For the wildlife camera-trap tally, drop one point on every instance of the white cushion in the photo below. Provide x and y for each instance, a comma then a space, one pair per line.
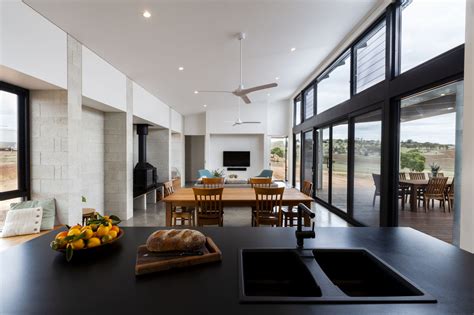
23, 221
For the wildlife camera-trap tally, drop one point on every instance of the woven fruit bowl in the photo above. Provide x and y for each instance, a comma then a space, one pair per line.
97, 234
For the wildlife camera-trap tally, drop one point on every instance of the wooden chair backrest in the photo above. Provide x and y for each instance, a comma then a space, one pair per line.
268, 200
261, 182
208, 200
376, 178
402, 176
307, 188
216, 182
451, 189
436, 186
440, 175
169, 189
417, 176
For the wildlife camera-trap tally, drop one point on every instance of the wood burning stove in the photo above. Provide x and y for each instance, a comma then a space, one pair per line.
145, 177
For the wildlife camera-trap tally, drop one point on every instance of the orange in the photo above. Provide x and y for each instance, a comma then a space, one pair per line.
74, 231
115, 228
93, 242
106, 238
113, 234
79, 244
102, 230
61, 235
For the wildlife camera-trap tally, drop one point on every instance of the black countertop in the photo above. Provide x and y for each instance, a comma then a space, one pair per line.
36, 280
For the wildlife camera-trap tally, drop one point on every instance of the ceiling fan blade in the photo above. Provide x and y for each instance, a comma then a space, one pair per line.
235, 124
258, 88
210, 91
251, 122
245, 98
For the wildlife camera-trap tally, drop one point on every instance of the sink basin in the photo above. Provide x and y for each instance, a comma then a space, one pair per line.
358, 273
352, 275
274, 273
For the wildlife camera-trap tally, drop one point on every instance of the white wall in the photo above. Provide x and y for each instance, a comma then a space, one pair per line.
31, 44
176, 121
278, 119
467, 185
219, 119
177, 154
253, 143
102, 82
150, 108
92, 164
195, 125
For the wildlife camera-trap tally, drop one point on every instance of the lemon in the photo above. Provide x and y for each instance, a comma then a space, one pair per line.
102, 230
106, 238
73, 231
113, 233
61, 235
79, 244
77, 226
88, 233
93, 242
86, 227
115, 228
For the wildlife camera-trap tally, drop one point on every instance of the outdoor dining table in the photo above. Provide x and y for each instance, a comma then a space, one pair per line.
235, 197
414, 185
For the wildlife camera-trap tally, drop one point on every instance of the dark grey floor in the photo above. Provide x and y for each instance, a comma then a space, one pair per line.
155, 216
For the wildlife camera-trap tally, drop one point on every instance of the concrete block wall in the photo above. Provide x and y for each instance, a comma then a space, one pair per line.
158, 147
92, 158
177, 154
49, 149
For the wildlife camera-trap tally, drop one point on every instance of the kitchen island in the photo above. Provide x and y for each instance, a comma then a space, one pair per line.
36, 280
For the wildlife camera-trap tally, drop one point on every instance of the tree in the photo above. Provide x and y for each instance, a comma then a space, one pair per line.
413, 160
277, 151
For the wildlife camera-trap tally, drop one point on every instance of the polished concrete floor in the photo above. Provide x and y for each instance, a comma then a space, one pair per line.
155, 216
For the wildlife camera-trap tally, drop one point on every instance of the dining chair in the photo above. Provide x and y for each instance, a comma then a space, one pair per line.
183, 214
290, 214
215, 182
376, 178
268, 206
403, 189
450, 196
421, 190
209, 210
417, 176
435, 191
260, 182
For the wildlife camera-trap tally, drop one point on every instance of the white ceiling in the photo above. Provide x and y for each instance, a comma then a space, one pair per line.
199, 35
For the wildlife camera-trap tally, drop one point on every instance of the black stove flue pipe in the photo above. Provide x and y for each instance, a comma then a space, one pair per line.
142, 131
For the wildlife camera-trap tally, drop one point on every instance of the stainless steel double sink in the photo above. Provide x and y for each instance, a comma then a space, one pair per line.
352, 275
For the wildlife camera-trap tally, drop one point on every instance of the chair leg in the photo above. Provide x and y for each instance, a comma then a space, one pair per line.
373, 201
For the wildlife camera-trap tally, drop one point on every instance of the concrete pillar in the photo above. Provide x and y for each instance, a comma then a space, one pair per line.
118, 160
74, 120
464, 207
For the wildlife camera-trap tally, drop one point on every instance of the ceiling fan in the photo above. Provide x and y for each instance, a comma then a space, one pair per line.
239, 121
240, 91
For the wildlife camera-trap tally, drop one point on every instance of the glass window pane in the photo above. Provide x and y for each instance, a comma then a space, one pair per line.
339, 165
322, 178
297, 172
278, 157
334, 86
428, 148
297, 112
8, 141
308, 156
309, 103
367, 158
429, 28
370, 59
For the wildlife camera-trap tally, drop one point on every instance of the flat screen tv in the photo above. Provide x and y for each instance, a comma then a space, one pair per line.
236, 158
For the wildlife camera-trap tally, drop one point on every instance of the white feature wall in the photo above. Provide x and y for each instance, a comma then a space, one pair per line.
102, 82
253, 143
31, 44
219, 119
150, 108
92, 158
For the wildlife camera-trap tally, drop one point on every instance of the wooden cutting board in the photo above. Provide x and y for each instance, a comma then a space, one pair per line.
147, 263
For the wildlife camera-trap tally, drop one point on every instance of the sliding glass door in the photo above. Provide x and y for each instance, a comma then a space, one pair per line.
308, 155
323, 164
297, 172
340, 133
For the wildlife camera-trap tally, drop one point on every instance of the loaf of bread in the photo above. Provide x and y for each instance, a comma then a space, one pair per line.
175, 240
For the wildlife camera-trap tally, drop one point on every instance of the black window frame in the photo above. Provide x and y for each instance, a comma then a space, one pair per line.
444, 68
23, 165
303, 102
297, 99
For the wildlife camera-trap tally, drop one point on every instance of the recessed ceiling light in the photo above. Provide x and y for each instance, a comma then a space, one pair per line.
181, 68
204, 105
268, 94
277, 78
442, 94
196, 92
450, 108
293, 49
146, 14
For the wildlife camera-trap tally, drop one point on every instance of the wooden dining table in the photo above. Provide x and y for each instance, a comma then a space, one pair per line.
414, 185
235, 197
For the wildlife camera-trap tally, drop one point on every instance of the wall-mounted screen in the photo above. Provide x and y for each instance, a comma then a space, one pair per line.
237, 158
